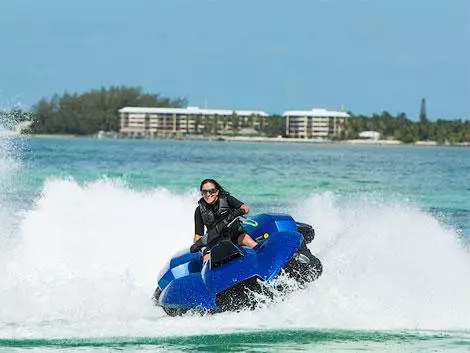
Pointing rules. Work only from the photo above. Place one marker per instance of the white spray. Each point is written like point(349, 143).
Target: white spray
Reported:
point(87, 256)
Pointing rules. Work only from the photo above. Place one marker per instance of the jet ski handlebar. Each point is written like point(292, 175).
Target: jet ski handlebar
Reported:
point(216, 230)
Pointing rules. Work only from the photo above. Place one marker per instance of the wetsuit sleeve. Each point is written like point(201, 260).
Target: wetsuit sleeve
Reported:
point(233, 202)
point(198, 223)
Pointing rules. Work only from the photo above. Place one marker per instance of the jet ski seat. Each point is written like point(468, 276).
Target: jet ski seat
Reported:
point(223, 252)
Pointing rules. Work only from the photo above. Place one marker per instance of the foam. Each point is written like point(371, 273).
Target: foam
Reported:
point(86, 258)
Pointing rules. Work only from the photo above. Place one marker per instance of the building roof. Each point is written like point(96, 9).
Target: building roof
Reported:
point(191, 111)
point(316, 112)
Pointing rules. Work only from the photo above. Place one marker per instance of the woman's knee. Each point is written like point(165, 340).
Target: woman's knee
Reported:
point(241, 239)
point(245, 239)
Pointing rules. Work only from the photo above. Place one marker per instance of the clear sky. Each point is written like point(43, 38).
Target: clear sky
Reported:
point(273, 55)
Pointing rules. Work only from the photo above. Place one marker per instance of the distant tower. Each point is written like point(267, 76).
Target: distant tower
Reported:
point(422, 114)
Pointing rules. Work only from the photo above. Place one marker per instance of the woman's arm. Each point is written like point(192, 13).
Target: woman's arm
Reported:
point(198, 225)
point(235, 204)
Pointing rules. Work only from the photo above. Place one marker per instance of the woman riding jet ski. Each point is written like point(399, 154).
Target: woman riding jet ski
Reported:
point(233, 272)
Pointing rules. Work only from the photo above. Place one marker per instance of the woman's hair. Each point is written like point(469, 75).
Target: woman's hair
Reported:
point(219, 187)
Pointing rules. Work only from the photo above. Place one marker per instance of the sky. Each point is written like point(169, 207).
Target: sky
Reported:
point(363, 56)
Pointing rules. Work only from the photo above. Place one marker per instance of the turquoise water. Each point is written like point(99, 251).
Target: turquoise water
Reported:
point(268, 175)
point(86, 225)
point(265, 341)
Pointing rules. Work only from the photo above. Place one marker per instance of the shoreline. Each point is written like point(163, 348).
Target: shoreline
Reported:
point(258, 139)
point(346, 142)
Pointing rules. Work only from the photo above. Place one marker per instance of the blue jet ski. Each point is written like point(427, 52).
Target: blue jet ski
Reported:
point(234, 272)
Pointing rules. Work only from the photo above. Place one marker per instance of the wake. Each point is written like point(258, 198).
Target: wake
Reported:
point(85, 259)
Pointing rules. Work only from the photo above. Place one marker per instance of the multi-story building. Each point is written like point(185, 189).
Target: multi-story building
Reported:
point(150, 122)
point(315, 123)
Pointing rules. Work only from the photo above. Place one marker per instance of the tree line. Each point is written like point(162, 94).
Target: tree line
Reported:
point(407, 131)
point(87, 113)
point(97, 110)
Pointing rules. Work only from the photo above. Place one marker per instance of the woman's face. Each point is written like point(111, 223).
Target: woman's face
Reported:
point(209, 192)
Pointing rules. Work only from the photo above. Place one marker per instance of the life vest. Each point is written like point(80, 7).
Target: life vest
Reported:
point(211, 217)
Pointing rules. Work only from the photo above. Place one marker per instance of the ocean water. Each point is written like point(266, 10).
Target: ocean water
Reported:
point(86, 225)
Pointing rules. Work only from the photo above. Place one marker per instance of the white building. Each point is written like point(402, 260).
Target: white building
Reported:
point(149, 122)
point(315, 123)
point(370, 135)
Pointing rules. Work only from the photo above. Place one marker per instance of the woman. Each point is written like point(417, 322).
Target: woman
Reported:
point(215, 205)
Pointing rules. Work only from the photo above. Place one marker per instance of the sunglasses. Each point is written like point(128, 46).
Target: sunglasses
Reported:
point(208, 191)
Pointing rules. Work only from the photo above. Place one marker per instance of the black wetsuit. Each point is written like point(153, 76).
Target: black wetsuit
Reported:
point(233, 232)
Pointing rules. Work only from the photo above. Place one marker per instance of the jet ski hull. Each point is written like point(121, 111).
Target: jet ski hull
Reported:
point(226, 281)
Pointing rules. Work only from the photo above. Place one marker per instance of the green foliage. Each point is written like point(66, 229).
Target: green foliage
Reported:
point(90, 112)
point(235, 122)
point(402, 129)
point(273, 126)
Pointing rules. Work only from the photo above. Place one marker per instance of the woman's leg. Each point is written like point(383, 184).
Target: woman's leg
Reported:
point(245, 239)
